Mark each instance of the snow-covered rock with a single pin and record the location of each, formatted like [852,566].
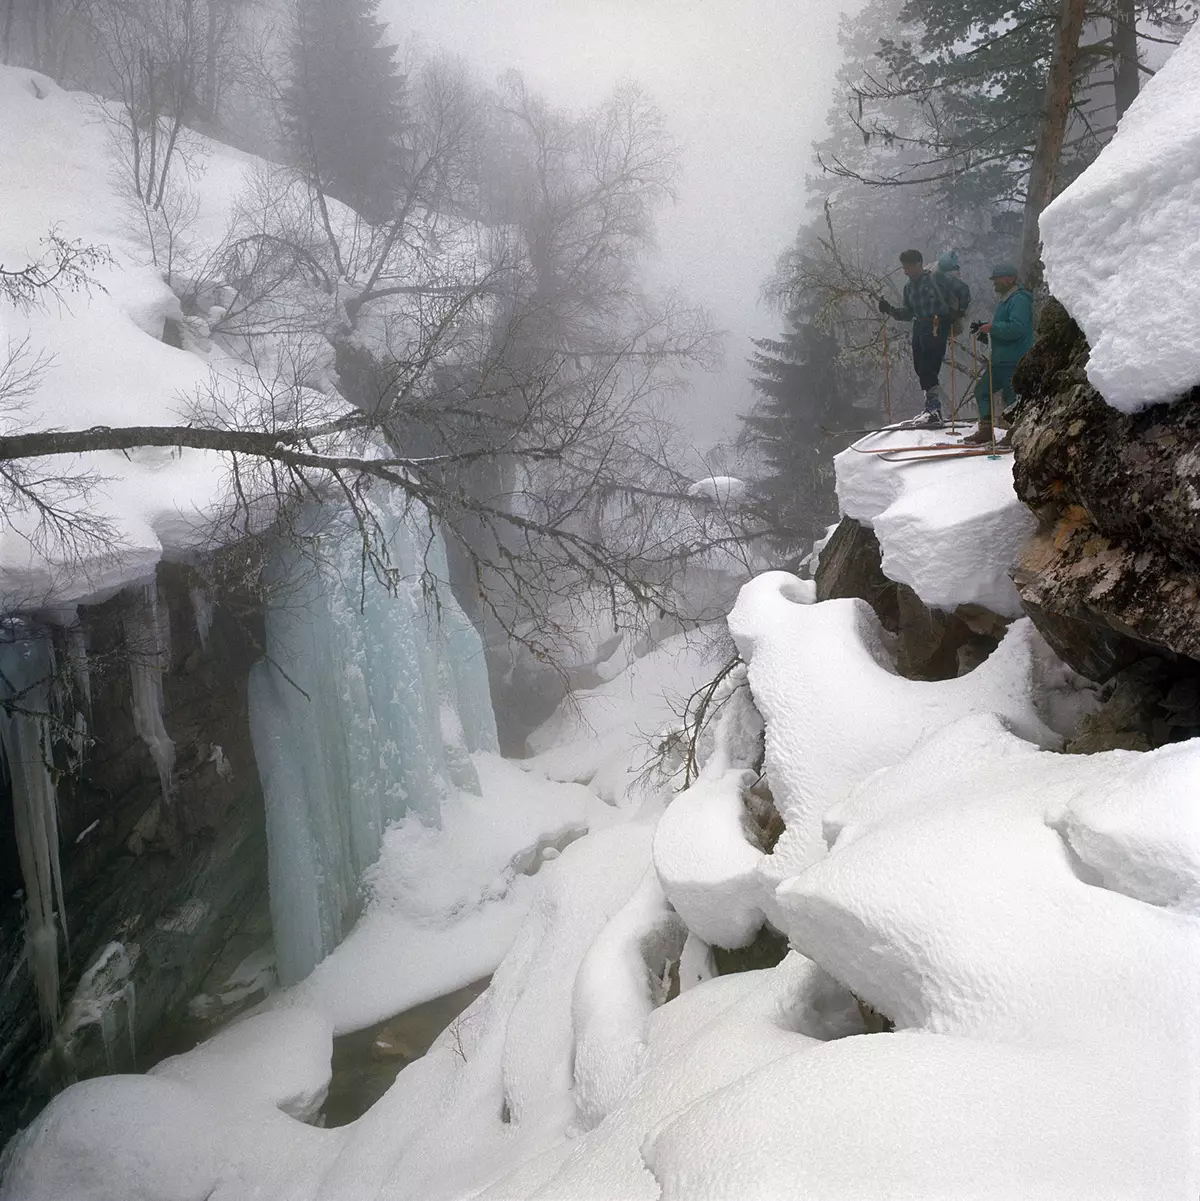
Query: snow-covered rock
[835,709]
[924,1117]
[949,529]
[280,1059]
[1125,226]
[720,489]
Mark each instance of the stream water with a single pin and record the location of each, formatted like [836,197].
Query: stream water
[367,1062]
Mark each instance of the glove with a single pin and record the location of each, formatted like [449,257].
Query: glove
[884,306]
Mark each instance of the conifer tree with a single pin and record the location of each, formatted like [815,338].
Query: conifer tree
[801,389]
[344,104]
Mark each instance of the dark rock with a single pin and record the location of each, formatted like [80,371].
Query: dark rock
[930,643]
[768,949]
[167,880]
[1114,573]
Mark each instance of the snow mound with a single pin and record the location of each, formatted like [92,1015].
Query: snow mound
[835,710]
[703,852]
[1143,838]
[446,901]
[148,1138]
[622,979]
[611,737]
[720,489]
[696,1044]
[949,529]
[950,903]
[280,1059]
[1123,227]
[707,866]
[921,1117]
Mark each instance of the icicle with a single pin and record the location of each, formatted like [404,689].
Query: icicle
[202,607]
[148,647]
[26,755]
[104,989]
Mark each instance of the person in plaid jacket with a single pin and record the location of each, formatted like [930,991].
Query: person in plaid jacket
[934,304]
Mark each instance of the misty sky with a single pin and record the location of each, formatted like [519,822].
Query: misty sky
[746,85]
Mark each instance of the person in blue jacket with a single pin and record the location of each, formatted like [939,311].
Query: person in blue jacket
[1010,333]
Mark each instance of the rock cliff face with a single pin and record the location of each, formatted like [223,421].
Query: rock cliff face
[164,883]
[1113,574]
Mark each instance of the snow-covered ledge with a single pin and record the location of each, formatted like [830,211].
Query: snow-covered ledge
[950,529]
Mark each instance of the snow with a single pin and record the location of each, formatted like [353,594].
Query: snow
[1123,227]
[720,489]
[949,529]
[281,1059]
[1142,838]
[109,366]
[445,901]
[922,1117]
[703,854]
[949,902]
[612,737]
[822,677]
[621,981]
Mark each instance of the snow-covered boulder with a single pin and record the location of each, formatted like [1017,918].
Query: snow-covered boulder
[949,529]
[835,709]
[1120,243]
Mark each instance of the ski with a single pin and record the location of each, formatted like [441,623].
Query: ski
[974,452]
[891,429]
[891,450]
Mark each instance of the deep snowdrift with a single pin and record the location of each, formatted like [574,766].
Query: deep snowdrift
[1125,227]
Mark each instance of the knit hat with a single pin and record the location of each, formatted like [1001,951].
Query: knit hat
[948,262]
[1003,268]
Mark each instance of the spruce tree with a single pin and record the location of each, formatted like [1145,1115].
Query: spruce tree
[801,390]
[344,104]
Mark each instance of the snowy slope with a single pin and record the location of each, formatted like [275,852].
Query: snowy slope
[1120,243]
[109,365]
[950,529]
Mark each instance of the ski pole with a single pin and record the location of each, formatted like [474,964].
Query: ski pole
[991,403]
[887,377]
[953,372]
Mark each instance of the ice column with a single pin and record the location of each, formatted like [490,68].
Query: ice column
[27,669]
[347,716]
[148,645]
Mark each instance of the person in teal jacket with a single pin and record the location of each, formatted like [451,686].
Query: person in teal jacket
[1010,333]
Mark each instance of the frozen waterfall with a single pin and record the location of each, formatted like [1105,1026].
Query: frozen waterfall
[27,674]
[365,709]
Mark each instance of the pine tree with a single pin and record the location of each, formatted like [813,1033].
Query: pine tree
[802,388]
[344,104]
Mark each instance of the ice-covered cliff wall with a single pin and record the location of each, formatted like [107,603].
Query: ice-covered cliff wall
[384,695]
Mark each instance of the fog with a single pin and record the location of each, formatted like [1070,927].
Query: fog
[746,87]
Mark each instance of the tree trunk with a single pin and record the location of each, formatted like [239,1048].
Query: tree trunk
[1125,55]
[6,37]
[1052,130]
[210,64]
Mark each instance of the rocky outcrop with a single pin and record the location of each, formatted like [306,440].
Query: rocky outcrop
[930,644]
[1113,574]
[153,888]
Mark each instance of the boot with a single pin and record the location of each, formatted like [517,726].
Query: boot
[930,419]
[985,435]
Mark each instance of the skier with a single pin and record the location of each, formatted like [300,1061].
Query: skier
[960,293]
[933,307]
[1010,333]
